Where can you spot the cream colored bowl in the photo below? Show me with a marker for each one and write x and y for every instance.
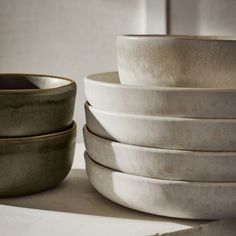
(161, 163)
(193, 200)
(163, 132)
(104, 91)
(177, 61)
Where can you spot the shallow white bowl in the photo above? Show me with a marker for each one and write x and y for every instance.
(193, 200)
(104, 91)
(177, 61)
(163, 132)
(161, 163)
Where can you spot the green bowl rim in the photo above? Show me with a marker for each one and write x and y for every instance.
(66, 131)
(72, 83)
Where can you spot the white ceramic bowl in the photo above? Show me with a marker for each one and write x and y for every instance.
(179, 61)
(193, 200)
(161, 163)
(163, 132)
(104, 91)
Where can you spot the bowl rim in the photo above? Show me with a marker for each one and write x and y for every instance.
(152, 149)
(90, 108)
(156, 180)
(89, 79)
(66, 131)
(226, 38)
(71, 83)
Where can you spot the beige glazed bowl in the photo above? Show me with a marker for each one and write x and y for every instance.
(181, 199)
(104, 91)
(35, 104)
(177, 61)
(161, 163)
(163, 132)
(32, 164)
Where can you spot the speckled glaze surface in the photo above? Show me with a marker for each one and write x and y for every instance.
(177, 61)
(35, 104)
(161, 163)
(163, 132)
(180, 199)
(104, 91)
(33, 164)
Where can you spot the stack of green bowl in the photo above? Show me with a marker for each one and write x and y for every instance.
(37, 132)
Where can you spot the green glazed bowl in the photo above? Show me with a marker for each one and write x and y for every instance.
(32, 164)
(35, 104)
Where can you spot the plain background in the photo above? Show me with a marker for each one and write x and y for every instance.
(203, 17)
(74, 38)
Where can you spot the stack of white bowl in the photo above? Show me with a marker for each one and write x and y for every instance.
(161, 134)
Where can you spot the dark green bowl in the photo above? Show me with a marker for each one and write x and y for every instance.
(32, 164)
(35, 104)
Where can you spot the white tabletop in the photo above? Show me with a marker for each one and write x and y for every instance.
(75, 208)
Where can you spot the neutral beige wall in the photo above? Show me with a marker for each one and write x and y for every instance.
(209, 17)
(70, 38)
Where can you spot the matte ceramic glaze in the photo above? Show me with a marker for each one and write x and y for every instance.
(161, 163)
(177, 61)
(104, 91)
(193, 200)
(163, 132)
(35, 104)
(32, 164)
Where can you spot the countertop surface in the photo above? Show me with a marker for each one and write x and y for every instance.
(75, 208)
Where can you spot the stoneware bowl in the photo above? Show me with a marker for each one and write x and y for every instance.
(178, 61)
(32, 164)
(193, 200)
(104, 91)
(163, 132)
(161, 163)
(35, 104)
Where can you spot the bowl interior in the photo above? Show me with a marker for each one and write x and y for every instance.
(107, 77)
(17, 81)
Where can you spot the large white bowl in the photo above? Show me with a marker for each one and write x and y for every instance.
(182, 61)
(104, 91)
(163, 132)
(161, 163)
(194, 200)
